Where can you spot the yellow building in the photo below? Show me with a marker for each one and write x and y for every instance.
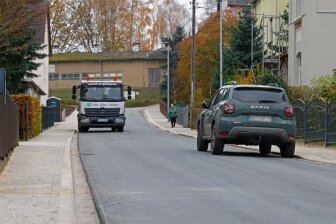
(137, 69)
(270, 7)
(274, 31)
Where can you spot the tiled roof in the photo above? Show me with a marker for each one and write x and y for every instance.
(40, 7)
(238, 2)
(112, 56)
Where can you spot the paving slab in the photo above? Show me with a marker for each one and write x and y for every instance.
(37, 184)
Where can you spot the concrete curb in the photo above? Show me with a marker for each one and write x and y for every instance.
(99, 209)
(85, 210)
(67, 208)
(156, 125)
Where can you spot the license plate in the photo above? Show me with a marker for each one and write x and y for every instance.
(260, 118)
(102, 120)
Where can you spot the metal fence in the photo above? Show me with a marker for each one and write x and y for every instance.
(48, 116)
(147, 93)
(316, 120)
(9, 126)
(182, 113)
(183, 116)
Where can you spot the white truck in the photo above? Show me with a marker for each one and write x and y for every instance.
(101, 104)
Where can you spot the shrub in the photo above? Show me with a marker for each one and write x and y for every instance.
(305, 93)
(267, 78)
(326, 86)
(33, 122)
(247, 78)
(141, 103)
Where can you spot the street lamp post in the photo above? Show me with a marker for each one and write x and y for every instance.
(166, 46)
(221, 44)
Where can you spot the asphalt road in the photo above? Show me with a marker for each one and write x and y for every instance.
(147, 176)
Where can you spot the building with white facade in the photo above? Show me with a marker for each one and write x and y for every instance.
(312, 40)
(39, 86)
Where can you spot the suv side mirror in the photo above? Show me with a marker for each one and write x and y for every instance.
(2, 83)
(205, 105)
(129, 92)
(74, 92)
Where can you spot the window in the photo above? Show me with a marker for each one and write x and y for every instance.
(84, 75)
(225, 94)
(70, 76)
(53, 76)
(298, 8)
(326, 6)
(76, 76)
(298, 72)
(153, 77)
(258, 95)
(219, 97)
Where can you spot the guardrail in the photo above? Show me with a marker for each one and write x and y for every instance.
(9, 126)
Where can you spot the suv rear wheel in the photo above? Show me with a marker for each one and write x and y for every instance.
(287, 150)
(217, 145)
(202, 145)
(265, 149)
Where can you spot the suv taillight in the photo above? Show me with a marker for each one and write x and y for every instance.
(229, 107)
(289, 111)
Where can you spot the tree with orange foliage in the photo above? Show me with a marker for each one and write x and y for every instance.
(207, 58)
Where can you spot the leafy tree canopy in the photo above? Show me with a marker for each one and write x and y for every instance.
(18, 47)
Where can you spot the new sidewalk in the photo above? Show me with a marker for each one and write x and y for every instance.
(37, 185)
(315, 154)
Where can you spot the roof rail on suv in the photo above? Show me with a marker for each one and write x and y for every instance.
(231, 83)
(273, 84)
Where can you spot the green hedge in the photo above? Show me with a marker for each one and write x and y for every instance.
(141, 103)
(33, 121)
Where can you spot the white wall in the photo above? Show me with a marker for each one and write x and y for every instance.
(43, 80)
(318, 41)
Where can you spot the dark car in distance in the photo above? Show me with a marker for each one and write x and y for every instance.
(247, 115)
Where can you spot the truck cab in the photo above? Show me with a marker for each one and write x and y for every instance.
(101, 104)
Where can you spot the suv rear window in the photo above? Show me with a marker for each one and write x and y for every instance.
(258, 95)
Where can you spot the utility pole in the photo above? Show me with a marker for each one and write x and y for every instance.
(193, 54)
(252, 44)
(168, 83)
(220, 43)
(166, 46)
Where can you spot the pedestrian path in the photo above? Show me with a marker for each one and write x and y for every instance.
(311, 153)
(37, 184)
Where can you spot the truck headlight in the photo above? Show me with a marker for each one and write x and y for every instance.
(119, 120)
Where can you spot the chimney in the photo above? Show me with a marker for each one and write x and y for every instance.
(136, 47)
(55, 49)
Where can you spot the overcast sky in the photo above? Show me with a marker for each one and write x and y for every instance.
(187, 4)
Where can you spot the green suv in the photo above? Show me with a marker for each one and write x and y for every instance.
(249, 115)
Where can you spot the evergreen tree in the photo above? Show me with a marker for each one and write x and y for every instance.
(173, 42)
(19, 50)
(242, 39)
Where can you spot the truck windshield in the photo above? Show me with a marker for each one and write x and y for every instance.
(102, 93)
